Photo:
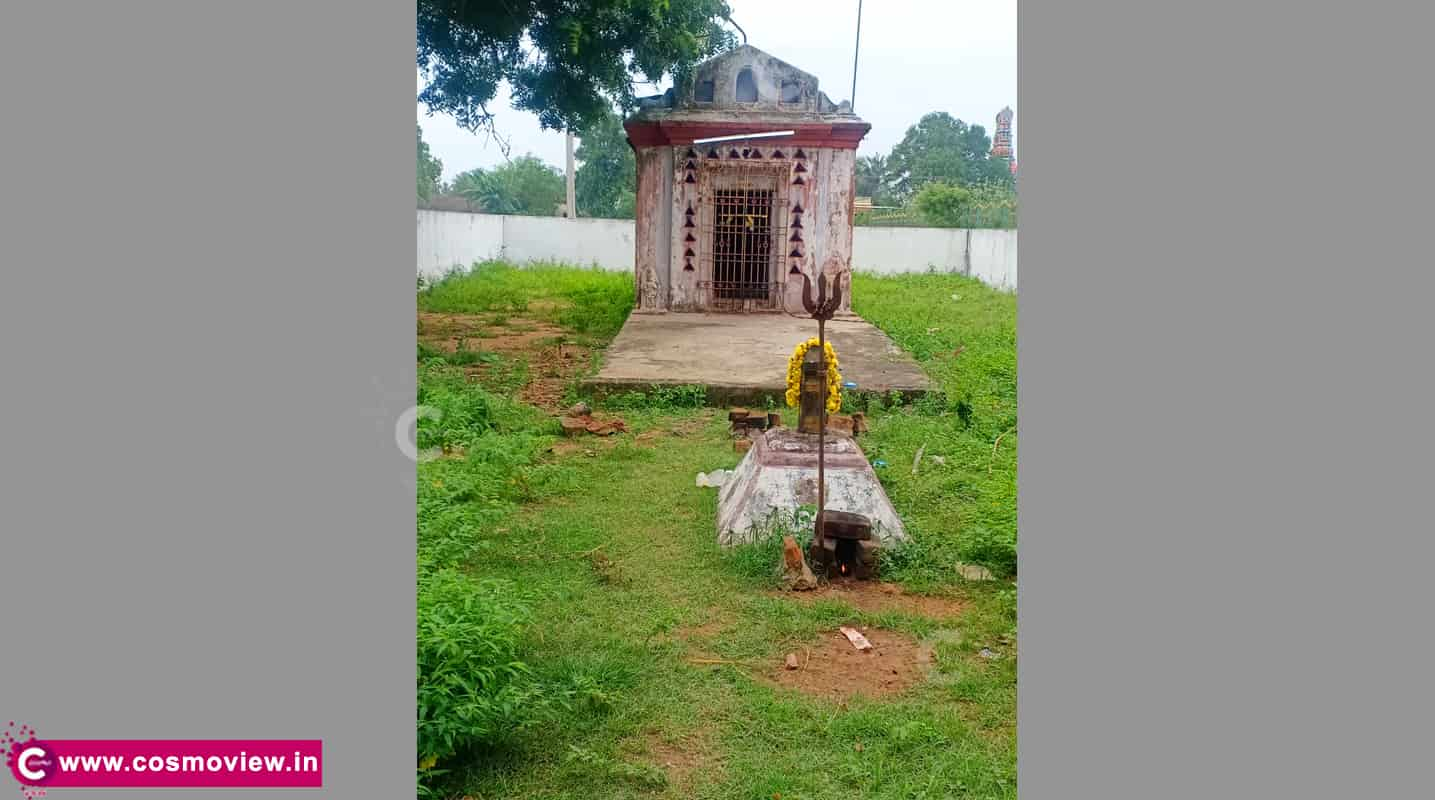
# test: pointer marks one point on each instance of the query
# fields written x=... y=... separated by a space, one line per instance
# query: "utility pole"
x=572 y=207
x=855 y=49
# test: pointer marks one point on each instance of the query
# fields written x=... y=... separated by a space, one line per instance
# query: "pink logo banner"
x=167 y=763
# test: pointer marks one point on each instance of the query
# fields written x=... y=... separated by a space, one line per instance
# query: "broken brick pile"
x=580 y=420
x=745 y=423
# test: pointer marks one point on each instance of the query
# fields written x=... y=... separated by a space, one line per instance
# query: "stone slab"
x=743 y=357
x=779 y=474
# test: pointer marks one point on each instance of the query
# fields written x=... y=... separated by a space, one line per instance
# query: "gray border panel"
x=207 y=326
x=1224 y=356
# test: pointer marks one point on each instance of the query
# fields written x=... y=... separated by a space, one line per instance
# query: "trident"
x=821 y=309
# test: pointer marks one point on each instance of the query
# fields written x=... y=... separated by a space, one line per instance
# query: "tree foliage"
x=607 y=178
x=982 y=205
x=429 y=169
x=943 y=204
x=942 y=148
x=524 y=185
x=567 y=61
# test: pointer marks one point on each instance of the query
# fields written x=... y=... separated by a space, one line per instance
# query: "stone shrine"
x=726 y=226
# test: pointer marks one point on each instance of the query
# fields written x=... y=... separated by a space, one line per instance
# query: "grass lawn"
x=581 y=634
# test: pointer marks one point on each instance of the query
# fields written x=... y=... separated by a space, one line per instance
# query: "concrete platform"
x=743 y=357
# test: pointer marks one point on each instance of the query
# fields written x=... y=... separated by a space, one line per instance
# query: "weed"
x=472 y=688
x=759 y=557
x=659 y=398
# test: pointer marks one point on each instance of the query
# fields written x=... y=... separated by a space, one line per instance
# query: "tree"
x=524 y=185
x=607 y=180
x=942 y=148
x=568 y=61
x=873 y=179
x=429 y=169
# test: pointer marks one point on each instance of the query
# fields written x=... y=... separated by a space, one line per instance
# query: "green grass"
x=611 y=562
x=587 y=301
x=964 y=335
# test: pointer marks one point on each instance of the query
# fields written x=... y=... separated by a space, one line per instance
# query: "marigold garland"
x=794 y=375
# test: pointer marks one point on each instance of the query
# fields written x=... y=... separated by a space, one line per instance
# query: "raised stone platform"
x=779 y=473
x=743 y=357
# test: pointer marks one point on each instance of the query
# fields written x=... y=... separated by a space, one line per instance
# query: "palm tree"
x=873 y=179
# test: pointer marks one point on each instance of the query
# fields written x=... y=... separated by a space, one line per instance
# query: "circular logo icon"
x=34 y=763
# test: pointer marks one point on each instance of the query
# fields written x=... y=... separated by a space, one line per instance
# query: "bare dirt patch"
x=834 y=669
x=553 y=362
x=519 y=337
x=712 y=626
x=876 y=597
x=681 y=758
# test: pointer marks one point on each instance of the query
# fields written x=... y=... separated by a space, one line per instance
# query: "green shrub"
x=456 y=412
x=943 y=204
x=472 y=688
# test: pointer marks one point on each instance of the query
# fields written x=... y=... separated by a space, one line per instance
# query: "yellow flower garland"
x=794 y=375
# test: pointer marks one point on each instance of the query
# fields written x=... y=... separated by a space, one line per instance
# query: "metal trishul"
x=821 y=308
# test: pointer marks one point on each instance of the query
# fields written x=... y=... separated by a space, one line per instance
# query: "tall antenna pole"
x=571 y=195
x=855 y=48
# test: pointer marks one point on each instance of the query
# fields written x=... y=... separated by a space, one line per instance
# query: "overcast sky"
x=917 y=56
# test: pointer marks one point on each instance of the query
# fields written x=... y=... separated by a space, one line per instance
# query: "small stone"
x=791 y=662
x=580 y=410
x=859 y=423
x=796 y=573
x=938 y=460
x=974 y=572
x=573 y=426
x=988 y=654
x=839 y=423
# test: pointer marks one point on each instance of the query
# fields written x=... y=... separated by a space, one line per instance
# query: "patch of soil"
x=446 y=331
x=704 y=630
x=553 y=364
x=693 y=425
x=876 y=597
x=680 y=759
x=836 y=670
x=586 y=445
